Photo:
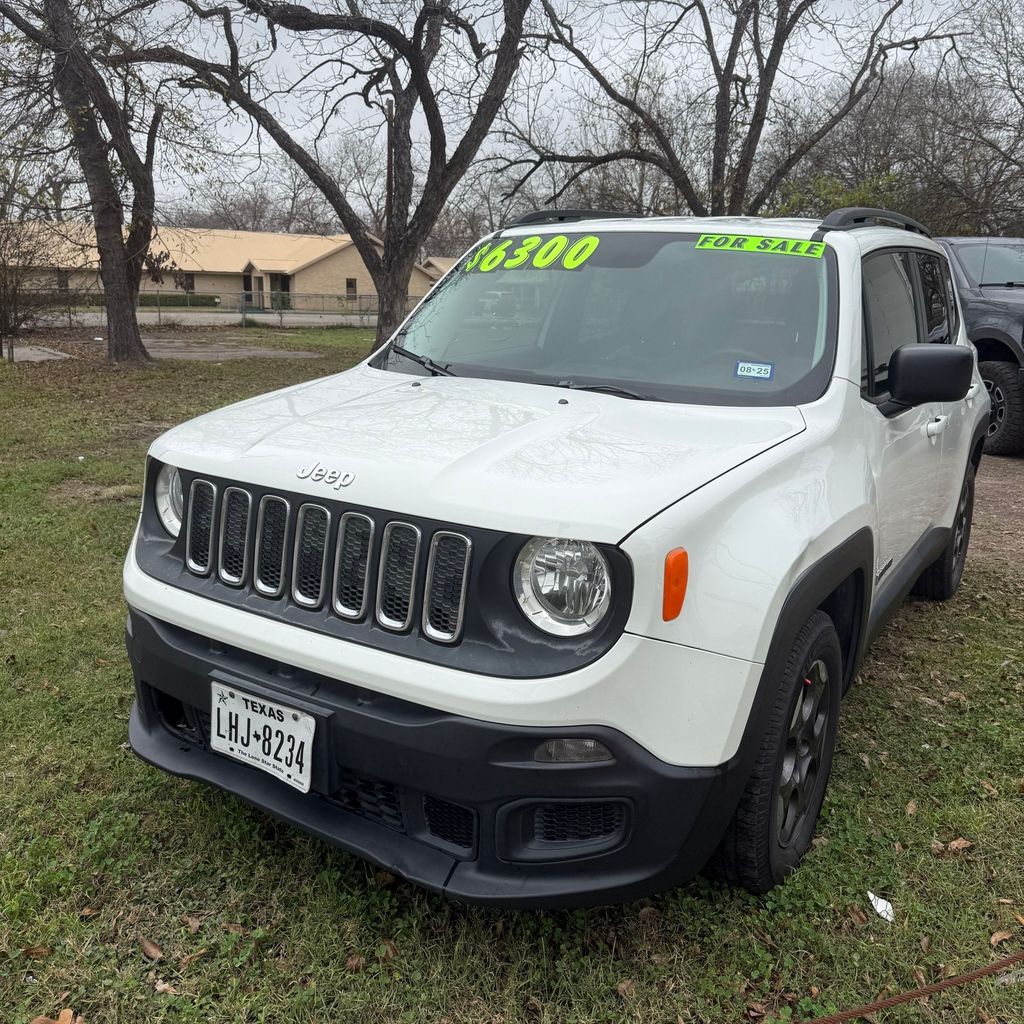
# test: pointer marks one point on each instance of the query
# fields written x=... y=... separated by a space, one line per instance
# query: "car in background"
x=989 y=274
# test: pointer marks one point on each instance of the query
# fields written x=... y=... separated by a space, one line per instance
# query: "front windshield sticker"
x=759 y=243
x=534 y=252
x=759 y=371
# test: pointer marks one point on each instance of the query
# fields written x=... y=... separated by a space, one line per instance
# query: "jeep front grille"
x=445 y=592
x=396 y=578
x=234 y=536
x=271 y=544
x=330 y=563
x=310 y=561
x=352 y=565
x=202 y=505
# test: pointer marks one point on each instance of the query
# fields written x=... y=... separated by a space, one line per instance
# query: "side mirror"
x=924 y=373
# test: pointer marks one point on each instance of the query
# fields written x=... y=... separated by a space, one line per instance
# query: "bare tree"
x=921 y=145
x=757 y=58
x=426 y=63
x=276 y=194
x=39 y=188
x=113 y=123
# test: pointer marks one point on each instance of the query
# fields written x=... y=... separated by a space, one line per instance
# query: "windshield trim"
x=806 y=391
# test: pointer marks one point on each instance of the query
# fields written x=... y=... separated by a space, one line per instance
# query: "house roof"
x=72 y=246
x=435 y=266
x=231 y=252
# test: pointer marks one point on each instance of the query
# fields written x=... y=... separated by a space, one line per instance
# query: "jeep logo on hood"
x=335 y=477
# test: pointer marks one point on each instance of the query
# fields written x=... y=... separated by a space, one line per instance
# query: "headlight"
x=563 y=586
x=169 y=502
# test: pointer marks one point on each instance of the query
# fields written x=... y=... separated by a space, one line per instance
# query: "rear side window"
x=891 y=319
x=936 y=300
x=954 y=309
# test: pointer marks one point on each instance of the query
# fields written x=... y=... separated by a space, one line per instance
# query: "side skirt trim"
x=890 y=594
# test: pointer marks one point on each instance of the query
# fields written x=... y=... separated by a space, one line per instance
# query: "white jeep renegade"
x=553 y=600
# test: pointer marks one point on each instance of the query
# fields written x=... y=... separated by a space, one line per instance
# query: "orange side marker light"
x=677 y=572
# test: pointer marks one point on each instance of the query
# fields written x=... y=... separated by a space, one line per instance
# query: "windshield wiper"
x=437 y=369
x=1001 y=284
x=611 y=389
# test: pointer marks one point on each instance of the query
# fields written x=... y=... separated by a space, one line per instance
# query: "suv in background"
x=989 y=274
x=557 y=604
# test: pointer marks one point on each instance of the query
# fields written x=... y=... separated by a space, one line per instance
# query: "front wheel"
x=941 y=580
x=774 y=823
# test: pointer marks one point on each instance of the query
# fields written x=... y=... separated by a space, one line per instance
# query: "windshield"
x=993 y=261
x=706 y=319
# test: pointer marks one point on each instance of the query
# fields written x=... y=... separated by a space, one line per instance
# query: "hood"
x=1009 y=300
x=523 y=458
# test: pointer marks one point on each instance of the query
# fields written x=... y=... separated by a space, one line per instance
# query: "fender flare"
x=977 y=441
x=992 y=330
x=855 y=557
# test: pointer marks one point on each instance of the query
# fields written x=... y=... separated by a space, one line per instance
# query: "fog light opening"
x=571 y=750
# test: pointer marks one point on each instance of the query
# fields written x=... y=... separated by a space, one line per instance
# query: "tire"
x=941 y=580
x=1006 y=432
x=769 y=834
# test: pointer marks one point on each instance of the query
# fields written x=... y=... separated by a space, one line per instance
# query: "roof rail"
x=557 y=216
x=850 y=217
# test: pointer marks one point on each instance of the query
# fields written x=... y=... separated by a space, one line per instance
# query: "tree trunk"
x=392 y=297
x=124 y=342
x=120 y=278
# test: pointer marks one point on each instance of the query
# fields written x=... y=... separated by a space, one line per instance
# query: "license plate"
x=258 y=732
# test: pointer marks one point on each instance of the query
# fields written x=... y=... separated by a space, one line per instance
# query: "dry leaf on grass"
x=626 y=988
x=192 y=923
x=191 y=958
x=86 y=912
x=150 y=949
x=165 y=987
x=959 y=845
x=388 y=950
x=1000 y=936
x=39 y=952
x=234 y=929
x=911 y=808
x=938 y=848
x=857 y=914
x=989 y=788
x=66 y=1016
x=355 y=963
x=926 y=943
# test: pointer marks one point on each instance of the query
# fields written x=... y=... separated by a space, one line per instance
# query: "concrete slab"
x=36 y=354
x=162 y=347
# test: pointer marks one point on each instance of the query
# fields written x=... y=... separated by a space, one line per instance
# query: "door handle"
x=937 y=426
x=972 y=391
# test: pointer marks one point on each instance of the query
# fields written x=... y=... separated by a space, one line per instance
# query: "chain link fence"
x=255 y=307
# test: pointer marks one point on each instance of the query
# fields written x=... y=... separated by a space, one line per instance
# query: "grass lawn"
x=258 y=923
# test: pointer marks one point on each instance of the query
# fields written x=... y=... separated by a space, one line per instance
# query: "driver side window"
x=890 y=319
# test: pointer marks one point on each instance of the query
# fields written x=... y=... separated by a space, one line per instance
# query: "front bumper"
x=454 y=804
x=685 y=705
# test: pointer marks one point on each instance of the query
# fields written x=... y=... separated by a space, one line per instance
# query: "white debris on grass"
x=883 y=908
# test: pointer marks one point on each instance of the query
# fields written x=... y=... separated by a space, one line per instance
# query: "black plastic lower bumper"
x=451 y=803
